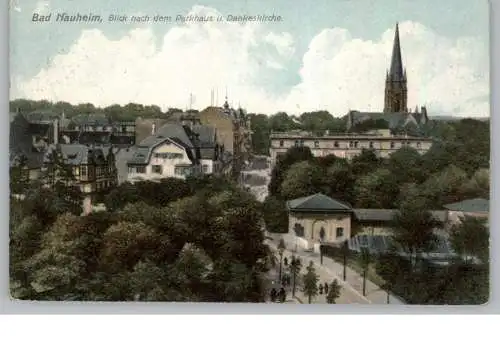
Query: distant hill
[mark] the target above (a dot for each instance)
(455, 118)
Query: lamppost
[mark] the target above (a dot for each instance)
(281, 261)
(345, 248)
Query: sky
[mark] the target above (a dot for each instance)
(323, 54)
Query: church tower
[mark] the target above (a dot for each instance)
(396, 92)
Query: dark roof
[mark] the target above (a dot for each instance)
(396, 71)
(21, 143)
(42, 116)
(205, 133)
(77, 154)
(395, 120)
(472, 205)
(317, 202)
(91, 119)
(167, 133)
(386, 215)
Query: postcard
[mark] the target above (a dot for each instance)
(250, 151)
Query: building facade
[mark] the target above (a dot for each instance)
(319, 219)
(97, 129)
(173, 151)
(90, 168)
(233, 132)
(347, 145)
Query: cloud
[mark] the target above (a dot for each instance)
(338, 71)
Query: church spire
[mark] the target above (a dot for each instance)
(396, 72)
(396, 92)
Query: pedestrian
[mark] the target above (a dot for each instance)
(326, 288)
(273, 295)
(285, 261)
(320, 289)
(282, 295)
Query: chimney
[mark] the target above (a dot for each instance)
(153, 129)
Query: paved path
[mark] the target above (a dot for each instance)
(351, 291)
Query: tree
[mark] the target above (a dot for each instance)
(275, 215)
(365, 259)
(302, 179)
(281, 249)
(333, 292)
(406, 164)
(310, 280)
(414, 227)
(376, 190)
(365, 162)
(293, 155)
(471, 238)
(295, 266)
(339, 181)
(446, 186)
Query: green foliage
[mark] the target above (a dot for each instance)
(318, 122)
(275, 215)
(471, 238)
(128, 112)
(204, 247)
(310, 281)
(377, 190)
(333, 292)
(292, 156)
(152, 193)
(414, 226)
(339, 181)
(261, 133)
(302, 179)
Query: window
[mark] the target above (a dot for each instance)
(169, 156)
(205, 168)
(282, 143)
(296, 143)
(351, 144)
(356, 144)
(392, 145)
(301, 143)
(336, 144)
(157, 169)
(140, 169)
(83, 170)
(371, 144)
(299, 230)
(182, 170)
(339, 232)
(419, 145)
(408, 144)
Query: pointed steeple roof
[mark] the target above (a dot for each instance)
(396, 71)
